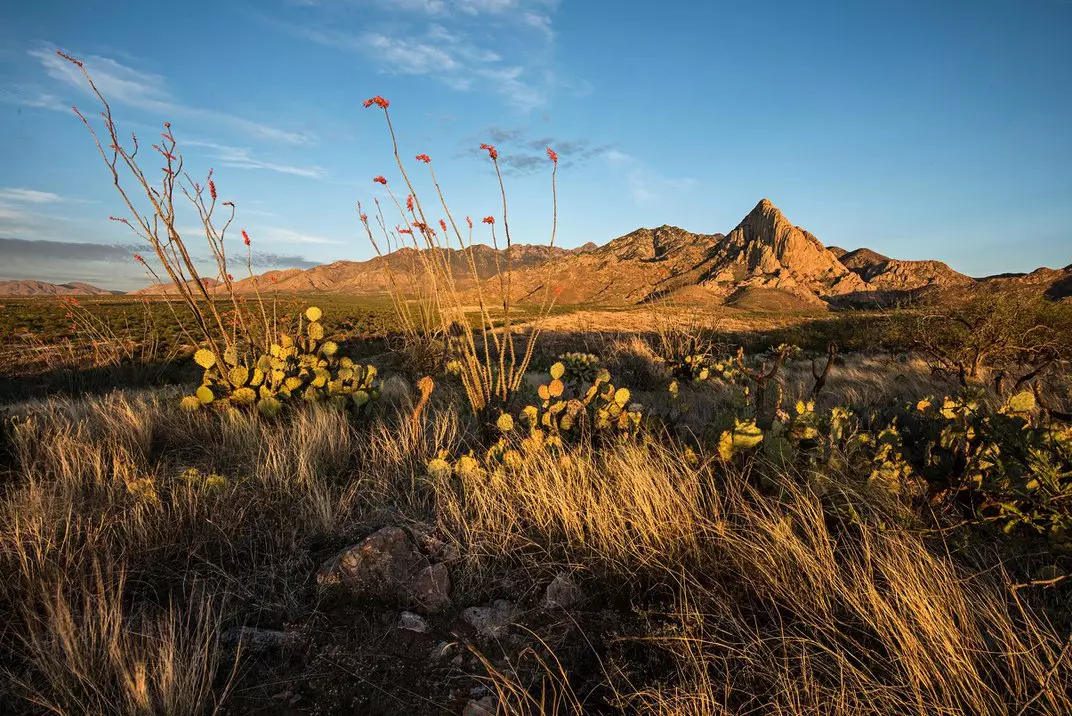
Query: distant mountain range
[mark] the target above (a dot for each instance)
(765, 261)
(28, 287)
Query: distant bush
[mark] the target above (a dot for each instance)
(1016, 335)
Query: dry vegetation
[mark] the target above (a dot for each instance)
(740, 526)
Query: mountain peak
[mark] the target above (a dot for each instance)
(767, 251)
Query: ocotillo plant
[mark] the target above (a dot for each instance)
(238, 330)
(492, 368)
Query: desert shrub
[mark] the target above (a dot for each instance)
(961, 333)
(636, 363)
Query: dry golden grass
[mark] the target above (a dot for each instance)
(118, 574)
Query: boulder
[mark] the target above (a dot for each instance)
(387, 566)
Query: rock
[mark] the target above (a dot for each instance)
(491, 621)
(387, 566)
(258, 640)
(487, 706)
(413, 622)
(438, 549)
(562, 592)
(431, 587)
(886, 274)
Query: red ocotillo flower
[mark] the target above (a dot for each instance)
(364, 217)
(469, 221)
(489, 220)
(120, 219)
(212, 189)
(406, 231)
(409, 202)
(378, 101)
(420, 225)
(443, 225)
(380, 180)
(424, 158)
(139, 259)
(230, 277)
(245, 237)
(552, 155)
(492, 151)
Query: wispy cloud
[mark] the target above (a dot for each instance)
(28, 196)
(278, 235)
(242, 158)
(143, 90)
(267, 260)
(34, 97)
(501, 46)
(523, 153)
(106, 265)
(646, 186)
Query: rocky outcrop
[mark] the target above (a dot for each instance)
(886, 274)
(1056, 284)
(766, 251)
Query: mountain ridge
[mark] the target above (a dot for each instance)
(765, 254)
(32, 287)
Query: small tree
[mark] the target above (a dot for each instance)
(1014, 334)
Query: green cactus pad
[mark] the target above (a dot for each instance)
(238, 375)
(204, 358)
(204, 394)
(558, 370)
(313, 313)
(315, 331)
(244, 396)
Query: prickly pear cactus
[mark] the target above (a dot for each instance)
(307, 368)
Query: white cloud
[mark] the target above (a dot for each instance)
(11, 215)
(645, 185)
(407, 56)
(280, 235)
(500, 46)
(31, 97)
(29, 196)
(242, 158)
(125, 85)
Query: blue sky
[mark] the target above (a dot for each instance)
(932, 129)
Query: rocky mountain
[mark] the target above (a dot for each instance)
(765, 261)
(886, 274)
(1056, 284)
(41, 288)
(209, 283)
(766, 251)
